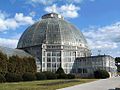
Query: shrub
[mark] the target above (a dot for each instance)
(29, 76)
(61, 76)
(101, 74)
(21, 65)
(60, 71)
(3, 63)
(2, 78)
(40, 76)
(70, 76)
(50, 75)
(12, 77)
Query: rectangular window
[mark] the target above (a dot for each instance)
(53, 59)
(44, 53)
(84, 70)
(48, 54)
(58, 59)
(48, 64)
(53, 64)
(48, 59)
(58, 53)
(58, 65)
(53, 53)
(43, 59)
(79, 70)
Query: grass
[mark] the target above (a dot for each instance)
(43, 85)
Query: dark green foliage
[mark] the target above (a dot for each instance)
(40, 76)
(16, 64)
(117, 60)
(29, 64)
(50, 75)
(70, 76)
(29, 76)
(2, 78)
(3, 63)
(60, 71)
(21, 65)
(101, 74)
(12, 77)
(61, 76)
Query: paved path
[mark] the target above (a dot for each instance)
(104, 84)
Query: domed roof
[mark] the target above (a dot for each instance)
(52, 29)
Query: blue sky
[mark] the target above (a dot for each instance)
(99, 20)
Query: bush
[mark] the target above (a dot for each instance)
(60, 71)
(101, 74)
(12, 77)
(61, 76)
(40, 76)
(70, 76)
(50, 75)
(2, 78)
(3, 63)
(29, 76)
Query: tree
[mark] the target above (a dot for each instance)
(101, 74)
(60, 71)
(2, 78)
(3, 63)
(117, 61)
(21, 65)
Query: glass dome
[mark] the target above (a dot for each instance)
(52, 29)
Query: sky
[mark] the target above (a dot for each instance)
(98, 20)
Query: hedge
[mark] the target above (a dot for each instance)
(2, 78)
(70, 76)
(101, 74)
(12, 77)
(29, 76)
(50, 75)
(16, 64)
(40, 76)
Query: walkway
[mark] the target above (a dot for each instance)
(104, 84)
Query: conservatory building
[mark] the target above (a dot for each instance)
(54, 42)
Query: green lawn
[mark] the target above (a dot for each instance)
(43, 85)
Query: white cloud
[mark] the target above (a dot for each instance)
(23, 20)
(68, 11)
(104, 38)
(11, 43)
(8, 23)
